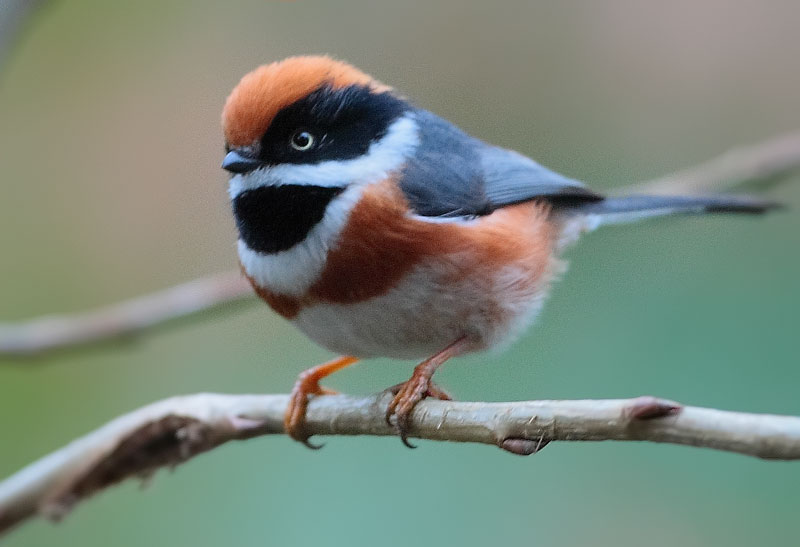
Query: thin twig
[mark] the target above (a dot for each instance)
(757, 162)
(127, 318)
(761, 161)
(174, 430)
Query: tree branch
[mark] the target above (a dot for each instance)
(758, 162)
(45, 334)
(755, 163)
(169, 432)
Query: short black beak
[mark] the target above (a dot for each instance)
(238, 162)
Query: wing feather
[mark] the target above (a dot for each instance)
(453, 174)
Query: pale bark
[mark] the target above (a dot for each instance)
(171, 431)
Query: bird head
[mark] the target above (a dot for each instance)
(313, 121)
(302, 135)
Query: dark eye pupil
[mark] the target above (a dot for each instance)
(302, 140)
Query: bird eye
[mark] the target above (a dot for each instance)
(302, 140)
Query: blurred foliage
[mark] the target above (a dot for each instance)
(111, 187)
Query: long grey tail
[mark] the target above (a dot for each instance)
(618, 210)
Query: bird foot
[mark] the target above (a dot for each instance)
(406, 397)
(294, 420)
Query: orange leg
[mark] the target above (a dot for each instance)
(308, 384)
(418, 387)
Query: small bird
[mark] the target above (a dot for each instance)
(380, 229)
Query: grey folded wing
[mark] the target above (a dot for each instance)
(453, 174)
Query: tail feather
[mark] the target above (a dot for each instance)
(618, 210)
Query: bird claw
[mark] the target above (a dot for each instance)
(294, 420)
(406, 397)
(309, 444)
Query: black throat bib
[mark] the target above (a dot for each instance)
(271, 219)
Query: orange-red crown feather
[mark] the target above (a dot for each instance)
(261, 94)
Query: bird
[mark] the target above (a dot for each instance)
(380, 229)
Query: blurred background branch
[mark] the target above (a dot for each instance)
(760, 162)
(15, 16)
(169, 432)
(126, 318)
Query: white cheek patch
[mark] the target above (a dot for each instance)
(383, 156)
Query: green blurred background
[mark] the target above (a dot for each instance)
(109, 161)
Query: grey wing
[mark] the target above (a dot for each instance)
(511, 178)
(444, 177)
(454, 174)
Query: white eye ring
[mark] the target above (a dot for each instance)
(302, 140)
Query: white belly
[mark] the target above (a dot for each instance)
(425, 313)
